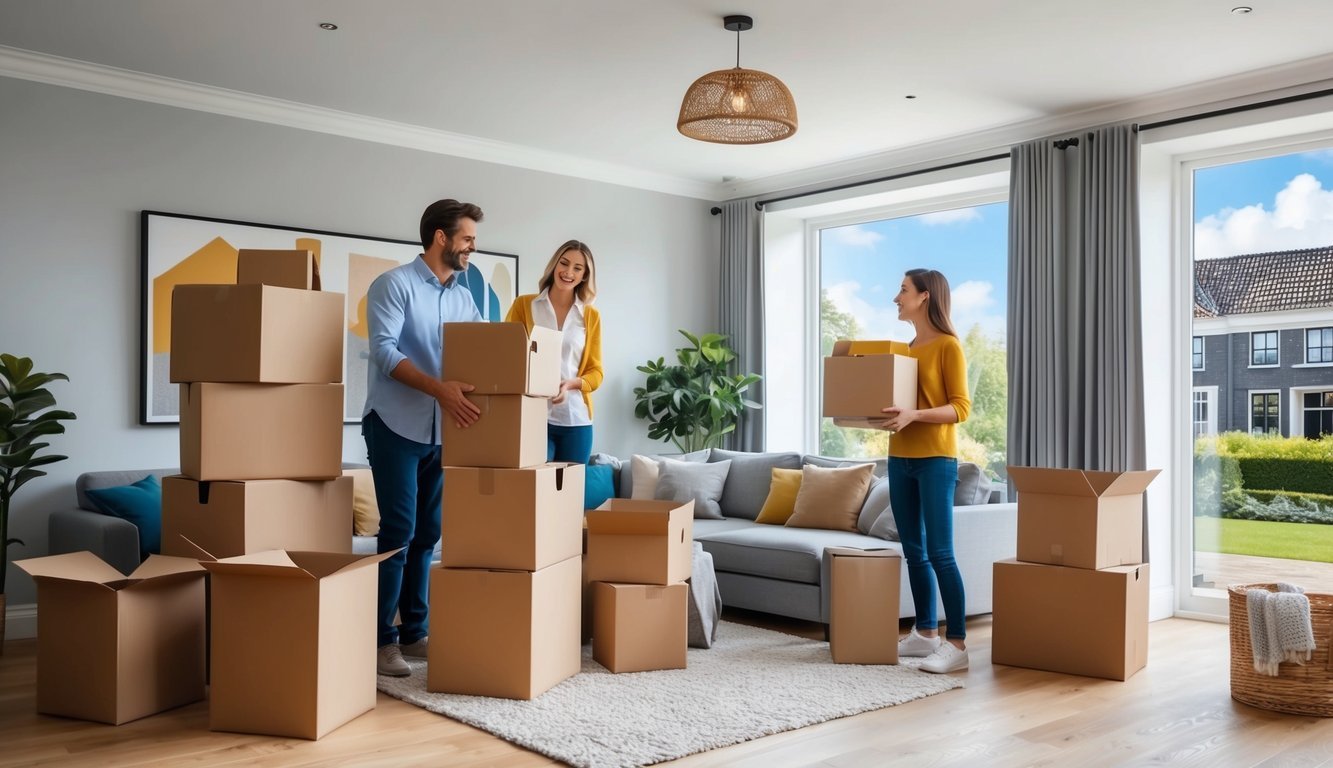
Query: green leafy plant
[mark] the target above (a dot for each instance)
(697, 401)
(24, 418)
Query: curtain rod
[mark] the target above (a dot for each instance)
(1060, 144)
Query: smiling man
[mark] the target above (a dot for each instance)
(406, 308)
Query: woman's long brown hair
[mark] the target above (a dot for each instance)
(937, 310)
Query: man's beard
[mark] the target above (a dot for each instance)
(454, 259)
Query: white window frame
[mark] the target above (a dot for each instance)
(1203, 352)
(1305, 346)
(1296, 411)
(1277, 348)
(1210, 401)
(1249, 407)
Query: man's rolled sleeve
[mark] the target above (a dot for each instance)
(385, 316)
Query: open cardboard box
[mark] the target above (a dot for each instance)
(638, 541)
(114, 648)
(861, 378)
(503, 358)
(1080, 518)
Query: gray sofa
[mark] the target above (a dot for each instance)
(116, 540)
(783, 570)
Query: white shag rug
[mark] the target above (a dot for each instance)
(753, 682)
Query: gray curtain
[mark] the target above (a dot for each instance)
(1075, 336)
(741, 310)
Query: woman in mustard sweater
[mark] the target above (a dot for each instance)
(564, 303)
(923, 469)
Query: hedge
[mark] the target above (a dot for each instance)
(1276, 474)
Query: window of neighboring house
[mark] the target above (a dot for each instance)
(1204, 417)
(1318, 414)
(1196, 353)
(1319, 345)
(1263, 348)
(861, 266)
(1265, 416)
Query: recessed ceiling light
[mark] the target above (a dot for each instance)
(1241, 10)
(328, 25)
(909, 96)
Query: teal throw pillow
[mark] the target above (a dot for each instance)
(141, 504)
(598, 485)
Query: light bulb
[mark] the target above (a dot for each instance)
(739, 98)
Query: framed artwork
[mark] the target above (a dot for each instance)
(176, 249)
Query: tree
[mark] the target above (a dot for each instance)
(834, 324)
(988, 384)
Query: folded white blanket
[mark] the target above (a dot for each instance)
(1280, 627)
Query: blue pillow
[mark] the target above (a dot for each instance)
(598, 485)
(141, 504)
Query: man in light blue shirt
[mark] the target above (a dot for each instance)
(406, 309)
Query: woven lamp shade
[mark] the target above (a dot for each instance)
(737, 106)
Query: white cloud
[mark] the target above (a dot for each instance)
(855, 236)
(1302, 217)
(954, 216)
(973, 302)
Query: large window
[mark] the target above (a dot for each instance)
(861, 266)
(1319, 345)
(1263, 348)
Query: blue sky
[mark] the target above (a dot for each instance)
(1277, 203)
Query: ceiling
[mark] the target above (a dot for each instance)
(596, 84)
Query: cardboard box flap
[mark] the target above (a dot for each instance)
(862, 347)
(75, 566)
(157, 566)
(634, 517)
(1121, 483)
(322, 564)
(487, 354)
(285, 269)
(854, 552)
(1060, 482)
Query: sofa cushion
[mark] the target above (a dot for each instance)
(750, 479)
(876, 504)
(831, 498)
(973, 485)
(885, 526)
(110, 479)
(365, 505)
(781, 501)
(141, 504)
(606, 459)
(880, 463)
(702, 482)
(625, 490)
(598, 485)
(768, 551)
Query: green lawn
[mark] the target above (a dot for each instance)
(1291, 541)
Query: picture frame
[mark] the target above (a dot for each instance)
(178, 249)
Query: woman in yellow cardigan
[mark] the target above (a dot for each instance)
(567, 289)
(923, 469)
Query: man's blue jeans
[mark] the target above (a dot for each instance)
(409, 482)
(921, 494)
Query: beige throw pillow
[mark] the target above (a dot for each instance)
(643, 477)
(365, 506)
(831, 498)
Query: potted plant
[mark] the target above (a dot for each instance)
(695, 402)
(24, 418)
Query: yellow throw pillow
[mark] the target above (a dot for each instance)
(831, 498)
(365, 507)
(781, 501)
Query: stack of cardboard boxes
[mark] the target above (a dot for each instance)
(863, 377)
(505, 598)
(1076, 598)
(261, 498)
(640, 553)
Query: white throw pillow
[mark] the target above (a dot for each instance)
(643, 471)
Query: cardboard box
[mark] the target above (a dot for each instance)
(238, 517)
(863, 605)
(640, 541)
(113, 649)
(639, 627)
(256, 334)
(293, 642)
(1080, 518)
(503, 358)
(507, 634)
(863, 377)
(1072, 620)
(286, 269)
(261, 431)
(519, 519)
(509, 434)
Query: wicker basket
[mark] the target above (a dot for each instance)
(1298, 689)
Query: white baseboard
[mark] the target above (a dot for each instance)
(1162, 602)
(21, 621)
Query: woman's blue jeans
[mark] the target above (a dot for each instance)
(572, 444)
(921, 494)
(409, 483)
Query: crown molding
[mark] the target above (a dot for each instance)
(123, 83)
(1249, 87)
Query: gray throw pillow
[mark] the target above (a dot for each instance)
(881, 463)
(973, 485)
(686, 480)
(625, 484)
(877, 501)
(750, 478)
(885, 527)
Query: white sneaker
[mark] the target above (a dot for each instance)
(916, 645)
(415, 650)
(947, 658)
(389, 661)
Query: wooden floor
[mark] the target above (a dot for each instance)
(1176, 712)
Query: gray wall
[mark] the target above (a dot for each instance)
(77, 167)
